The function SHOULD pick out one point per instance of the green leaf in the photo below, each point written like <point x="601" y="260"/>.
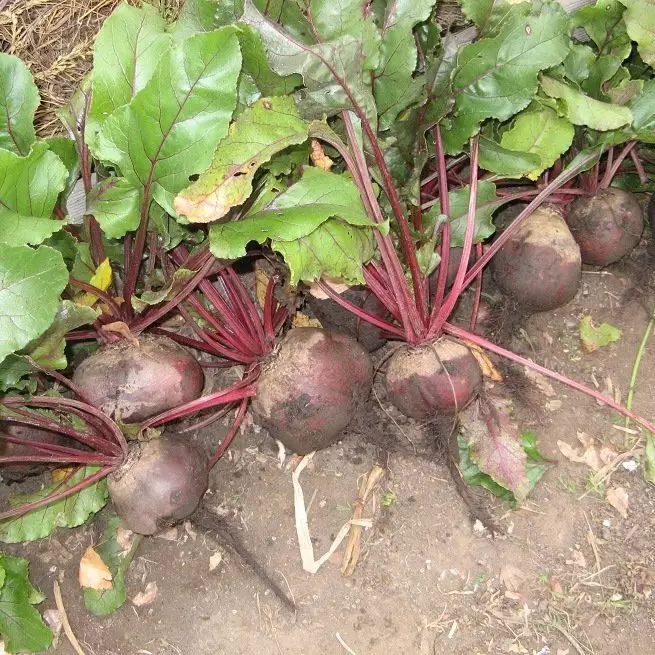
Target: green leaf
<point x="579" y="62"/>
<point x="394" y="83"/>
<point x="127" y="50"/>
<point x="147" y="298"/>
<point x="649" y="460"/>
<point x="107" y="601"/>
<point x="486" y="14"/>
<point x="471" y="473"/>
<point x="271" y="125"/>
<point x="13" y="371"/>
<point x="497" y="77"/>
<point x="639" y="20"/>
<point x="296" y="213"/>
<point x="333" y="72"/>
<point x="602" y="22"/>
<point x="67" y="152"/>
<point x="542" y="133"/>
<point x="497" y="158"/>
<point x="195" y="16"/>
<point x="65" y="513"/>
<point x="21" y="626"/>
<point x="643" y="113"/>
<point x="19" y="99"/>
<point x="170" y="129"/>
<point x="623" y="89"/>
<point x="458" y="201"/>
<point x="116" y="204"/>
<point x="583" y="110"/>
<point x="594" y="337"/>
<point x="48" y="349"/>
<point x="529" y="443"/>
<point x="31" y="282"/>
<point x="29" y="187"/>
<point x="335" y="249"/>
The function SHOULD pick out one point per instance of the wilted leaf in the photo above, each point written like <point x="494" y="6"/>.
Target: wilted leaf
<point x="180" y="277"/>
<point x="93" y="572"/>
<point x="31" y="282"/>
<point x="117" y="555"/>
<point x="617" y="497"/>
<point x="594" y="337"/>
<point x="588" y="456"/>
<point x="584" y="110"/>
<point x="66" y="513"/>
<point x="115" y="204"/>
<point x="21" y="626"/>
<point x="147" y="596"/>
<point x="19" y="99"/>
<point x="269" y="126"/>
<point x="318" y="156"/>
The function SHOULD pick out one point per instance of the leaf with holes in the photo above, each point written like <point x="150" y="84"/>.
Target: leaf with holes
<point x="170" y="129"/>
<point x="31" y="282"/>
<point x="19" y="99"/>
<point x="496" y="77"/>
<point x="127" y="50"/>
<point x="65" y="513"/>
<point x="269" y="126"/>
<point x="21" y="626"/>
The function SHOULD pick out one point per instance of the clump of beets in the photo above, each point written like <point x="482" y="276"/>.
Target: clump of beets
<point x="607" y="226"/>
<point x="160" y="483"/>
<point x="336" y="318"/>
<point x="434" y="378"/>
<point x="540" y="265"/>
<point x="310" y="388"/>
<point x="131" y="382"/>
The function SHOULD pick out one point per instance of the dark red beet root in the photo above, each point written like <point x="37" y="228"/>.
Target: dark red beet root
<point x="607" y="226"/>
<point x="310" y="388"/>
<point x="540" y="265"/>
<point x="15" y="473"/>
<point x="161" y="482"/>
<point x="132" y="383"/>
<point x="431" y="379"/>
<point x="337" y="319"/>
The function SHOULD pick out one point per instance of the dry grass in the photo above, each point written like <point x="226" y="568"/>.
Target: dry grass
<point x="55" y="39"/>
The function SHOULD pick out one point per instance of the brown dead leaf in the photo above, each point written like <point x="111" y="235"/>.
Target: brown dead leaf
<point x="588" y="456"/>
<point x="261" y="284"/>
<point x="123" y="329"/>
<point x="318" y="156"/>
<point x="124" y="538"/>
<point x="147" y="596"/>
<point x="302" y="320"/>
<point x="540" y="381"/>
<point x="94" y="573"/>
<point x="617" y="497"/>
<point x="336" y="285"/>
<point x="512" y="578"/>
<point x="487" y="366"/>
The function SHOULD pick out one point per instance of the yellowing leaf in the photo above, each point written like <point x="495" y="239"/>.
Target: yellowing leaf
<point x="487" y="366"/>
<point x="101" y="279"/>
<point x="261" y="283"/>
<point x="318" y="156"/>
<point x="94" y="573"/>
<point x="62" y="473"/>
<point x="302" y="320"/>
<point x="593" y="337"/>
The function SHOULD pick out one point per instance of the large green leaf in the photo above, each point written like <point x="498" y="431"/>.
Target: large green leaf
<point x="115" y="204"/>
<point x="643" y="113"/>
<point x="66" y="513"/>
<point x="583" y="110"/>
<point x="21" y="626"/>
<point x="195" y="16"/>
<point x="102" y="602"/>
<point x="497" y="77"/>
<point x="31" y="282"/>
<point x="486" y="14"/>
<point x="170" y="129"/>
<point x="602" y="22"/>
<point x="19" y="99"/>
<point x="127" y="50"/>
<point x="67" y="152"/>
<point x="333" y="72"/>
<point x="394" y="83"/>
<point x="639" y="20"/>
<point x="496" y="158"/>
<point x="48" y="349"/>
<point x="269" y="126"/>
<point x="29" y="187"/>
<point x="542" y="133"/>
<point x="458" y="201"/>
<point x="335" y="249"/>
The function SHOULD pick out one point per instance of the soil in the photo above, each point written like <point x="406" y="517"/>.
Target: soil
<point x="570" y="576"/>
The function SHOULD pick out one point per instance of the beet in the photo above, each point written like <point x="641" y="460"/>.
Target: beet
<point x="650" y="211"/>
<point x="160" y="483"/>
<point x="132" y="383"/>
<point x="336" y="318"/>
<point x="310" y="388"/>
<point x="607" y="226"/>
<point x="435" y="378"/>
<point x="540" y="265"/>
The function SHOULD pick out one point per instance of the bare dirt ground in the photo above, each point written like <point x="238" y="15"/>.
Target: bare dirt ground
<point x="571" y="576"/>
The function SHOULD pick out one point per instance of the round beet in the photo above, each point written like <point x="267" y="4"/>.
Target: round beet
<point x="607" y="225"/>
<point x="434" y="378"/>
<point x="132" y="383"/>
<point x="160" y="483"/>
<point x="310" y="388"/>
<point x="336" y="318"/>
<point x="540" y="265"/>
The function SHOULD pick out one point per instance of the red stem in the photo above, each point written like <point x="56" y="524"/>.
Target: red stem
<point x="478" y="292"/>
<point x="101" y="295"/>
<point x="612" y="170"/>
<point x="643" y="178"/>
<point x="238" y="419"/>
<point x="578" y="386"/>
